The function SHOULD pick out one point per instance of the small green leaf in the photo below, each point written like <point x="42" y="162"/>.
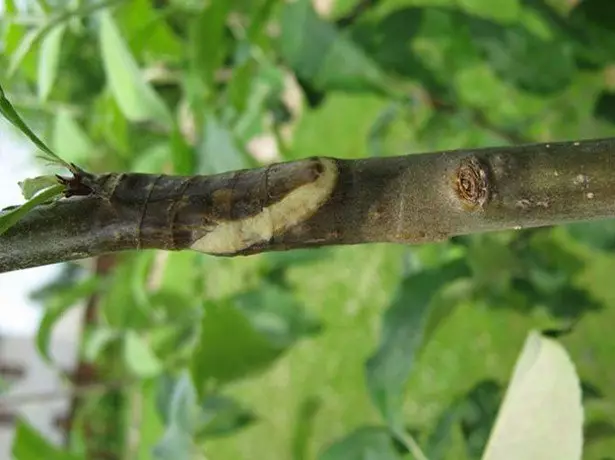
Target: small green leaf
<point x="9" y="112"/>
<point x="32" y="186"/>
<point x="403" y="331"/>
<point x="10" y="218"/>
<point x="28" y="444"/>
<point x="58" y="306"/>
<point x="222" y="416"/>
<point x="48" y="60"/>
<point x="139" y="357"/>
<point x="365" y="443"/>
<point x="319" y="53"/>
<point x="137" y="100"/>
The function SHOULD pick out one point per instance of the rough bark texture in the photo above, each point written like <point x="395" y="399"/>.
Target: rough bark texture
<point x="315" y="202"/>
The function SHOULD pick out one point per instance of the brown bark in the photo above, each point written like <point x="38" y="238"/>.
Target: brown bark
<point x="408" y="199"/>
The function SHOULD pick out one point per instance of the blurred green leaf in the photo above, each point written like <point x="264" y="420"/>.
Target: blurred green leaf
<point x="222" y="416"/>
<point x="28" y="444"/>
<point x="218" y="150"/>
<point x="29" y="39"/>
<point x="207" y="39"/>
<point x="10" y="218"/>
<point x="403" y="330"/>
<point x="174" y="445"/>
<point x="274" y="312"/>
<point x="48" y="61"/>
<point x="97" y="341"/>
<point x="596" y="235"/>
<point x="597" y="431"/>
<point x="69" y="138"/>
<point x="30" y="187"/>
<point x="153" y="160"/>
<point x="59" y="304"/>
<point x="126" y="304"/>
<point x="175" y="339"/>
<point x="525" y="60"/>
<point x="139" y="357"/>
<point x="590" y="27"/>
<point x="148" y="33"/>
<point x="231" y="347"/>
<point x="135" y="98"/>
<point x="182" y="418"/>
<point x="319" y="53"/>
<point x="33" y="37"/>
<point x="366" y="443"/>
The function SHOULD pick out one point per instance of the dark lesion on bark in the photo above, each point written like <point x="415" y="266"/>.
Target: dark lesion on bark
<point x="473" y="182"/>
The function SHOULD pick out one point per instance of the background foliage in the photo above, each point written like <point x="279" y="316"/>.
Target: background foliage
<point x="330" y="353"/>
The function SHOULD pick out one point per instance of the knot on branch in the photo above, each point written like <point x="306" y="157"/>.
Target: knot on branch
<point x="472" y="183"/>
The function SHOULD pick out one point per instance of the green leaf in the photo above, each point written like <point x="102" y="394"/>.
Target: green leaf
<point x="57" y="307"/>
<point x="30" y="187"/>
<point x="148" y="31"/>
<point x="218" y="150"/>
<point x="153" y="160"/>
<point x="10" y="218"/>
<point x="184" y="410"/>
<point x="182" y="419"/>
<point x="71" y="139"/>
<point x="33" y="37"/>
<point x="97" y="341"/>
<point x="320" y="54"/>
<point x="48" y="60"/>
<point x="366" y="443"/>
<point x="523" y="59"/>
<point x="135" y="98"/>
<point x="231" y="347"/>
<point x="275" y="313"/>
<point x="126" y="304"/>
<point x="222" y="416"/>
<point x="174" y="445"/>
<point x="139" y="357"/>
<point x="207" y="34"/>
<point x="402" y="336"/>
<point x="545" y="393"/>
<point x="28" y="444"/>
<point x="9" y="112"/>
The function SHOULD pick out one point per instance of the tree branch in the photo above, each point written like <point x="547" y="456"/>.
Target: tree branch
<point x="322" y="201"/>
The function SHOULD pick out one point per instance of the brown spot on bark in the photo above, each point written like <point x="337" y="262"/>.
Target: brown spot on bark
<point x="472" y="183"/>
